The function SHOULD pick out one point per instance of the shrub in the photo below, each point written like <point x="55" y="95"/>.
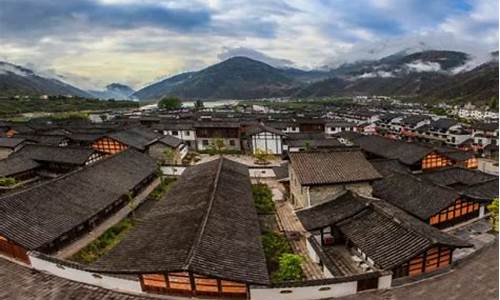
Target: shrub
<point x="7" y="181"/>
<point x="493" y="209"/>
<point x="170" y="103"/>
<point x="275" y="245"/>
<point x="103" y="243"/>
<point x="289" y="268"/>
<point x="263" y="198"/>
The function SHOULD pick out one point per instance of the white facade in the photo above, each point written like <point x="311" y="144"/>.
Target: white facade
<point x="334" y="128"/>
<point x="267" y="141"/>
<point x="185" y="135"/>
<point x="477" y="114"/>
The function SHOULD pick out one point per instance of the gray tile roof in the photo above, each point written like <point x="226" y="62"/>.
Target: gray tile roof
<point x="37" y="216"/>
<point x="55" y="154"/>
<point x="333" y="167"/>
<point x="6" y="142"/>
<point x="416" y="196"/>
<point x="391" y="237"/>
<point x="333" y="211"/>
<point x="206" y="223"/>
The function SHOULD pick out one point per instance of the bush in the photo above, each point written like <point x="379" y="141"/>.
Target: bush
<point x="103" y="243"/>
<point x="275" y="245"/>
<point x="170" y="103"/>
<point x="289" y="268"/>
<point x="263" y="198"/>
<point x="161" y="189"/>
<point x="493" y="209"/>
<point x="7" y="181"/>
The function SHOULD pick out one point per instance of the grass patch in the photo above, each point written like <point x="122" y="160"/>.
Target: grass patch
<point x="263" y="197"/>
<point x="7" y="181"/>
<point x="103" y="243"/>
<point x="161" y="189"/>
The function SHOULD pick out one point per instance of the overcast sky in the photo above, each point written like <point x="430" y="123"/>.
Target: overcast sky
<point x="95" y="42"/>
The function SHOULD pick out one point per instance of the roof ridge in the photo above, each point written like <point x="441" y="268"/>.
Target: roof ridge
<point x="59" y="178"/>
<point x="201" y="231"/>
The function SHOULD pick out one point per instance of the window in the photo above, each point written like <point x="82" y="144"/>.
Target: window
<point x="205" y="142"/>
<point x="232" y="142"/>
<point x="188" y="133"/>
<point x="205" y="284"/>
<point x="154" y="280"/>
<point x="179" y="281"/>
<point x="174" y="132"/>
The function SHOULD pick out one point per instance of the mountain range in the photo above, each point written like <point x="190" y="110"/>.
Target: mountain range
<point x="115" y="91"/>
<point x="429" y="75"/>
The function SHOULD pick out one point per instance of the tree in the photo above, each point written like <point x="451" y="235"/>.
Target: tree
<point x="289" y="268"/>
<point x="493" y="209"/>
<point x="218" y="145"/>
<point x="198" y="104"/>
<point x="170" y="103"/>
<point x="262" y="156"/>
<point x="170" y="156"/>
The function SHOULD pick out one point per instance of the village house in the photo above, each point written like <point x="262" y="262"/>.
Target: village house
<point x="354" y="235"/>
<point x="208" y="133"/>
<point x="174" y="147"/>
<point x="266" y="139"/>
<point x="48" y="216"/>
<point x="10" y="145"/>
<point x="333" y="127"/>
<point x="317" y="176"/>
<point x="203" y="237"/>
<point x="414" y="155"/>
<point x="137" y="138"/>
<point x="439" y="198"/>
<point x="182" y="129"/>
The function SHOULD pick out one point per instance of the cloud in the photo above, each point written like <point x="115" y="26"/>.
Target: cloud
<point x="421" y="66"/>
<point x="382" y="74"/>
<point x="95" y="42"/>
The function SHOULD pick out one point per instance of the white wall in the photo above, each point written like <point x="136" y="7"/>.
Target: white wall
<point x="172" y="170"/>
<point x="73" y="274"/>
<point x="268" y="142"/>
<point x="306" y="292"/>
<point x="261" y="172"/>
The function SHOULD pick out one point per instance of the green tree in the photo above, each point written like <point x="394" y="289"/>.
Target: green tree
<point x="262" y="156"/>
<point x="274" y="245"/>
<point x="170" y="103"/>
<point x="170" y="156"/>
<point x="289" y="268"/>
<point x="218" y="145"/>
<point x="493" y="209"/>
<point x="198" y="104"/>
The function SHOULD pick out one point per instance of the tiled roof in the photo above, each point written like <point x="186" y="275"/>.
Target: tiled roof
<point x="391" y="237"/>
<point x="47" y="153"/>
<point x="207" y="224"/>
<point x="6" y="142"/>
<point x="14" y="165"/>
<point x="37" y="216"/>
<point x="416" y="196"/>
<point x="332" y="167"/>
<point x="333" y="211"/>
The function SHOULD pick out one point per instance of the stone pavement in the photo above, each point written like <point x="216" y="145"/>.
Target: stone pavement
<point x="296" y="234"/>
<point x="83" y="241"/>
<point x="473" y="279"/>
